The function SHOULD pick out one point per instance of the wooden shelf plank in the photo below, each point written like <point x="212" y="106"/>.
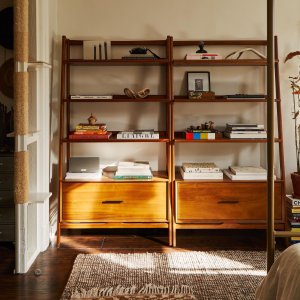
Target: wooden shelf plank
<point x="122" y="98"/>
<point x="220" y="98"/>
<point x="113" y="139"/>
<point x="221" y="62"/>
<point x="115" y="62"/>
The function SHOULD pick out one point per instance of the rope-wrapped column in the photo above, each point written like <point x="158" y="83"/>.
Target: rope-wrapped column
<point x="21" y="46"/>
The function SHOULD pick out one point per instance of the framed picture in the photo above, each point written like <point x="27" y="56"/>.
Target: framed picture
<point x="198" y="81"/>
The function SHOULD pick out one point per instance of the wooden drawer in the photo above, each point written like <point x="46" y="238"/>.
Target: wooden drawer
<point x="6" y="164"/>
<point x="115" y="202"/>
<point x="7" y="215"/>
<point x="7" y="233"/>
<point x="6" y="198"/>
<point x="6" y="181"/>
<point x="196" y="202"/>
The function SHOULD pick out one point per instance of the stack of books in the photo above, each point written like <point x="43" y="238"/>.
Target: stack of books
<point x="88" y="131"/>
<point x="245" y="131"/>
<point x="200" y="56"/>
<point x="293" y="207"/>
<point x="133" y="170"/>
<point x="201" y="170"/>
<point x="246" y="173"/>
<point x="138" y="135"/>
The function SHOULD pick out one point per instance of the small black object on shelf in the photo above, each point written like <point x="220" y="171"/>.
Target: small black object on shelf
<point x="142" y="50"/>
<point x="201" y="48"/>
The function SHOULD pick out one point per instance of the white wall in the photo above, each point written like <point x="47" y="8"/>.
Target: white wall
<point x="190" y="19"/>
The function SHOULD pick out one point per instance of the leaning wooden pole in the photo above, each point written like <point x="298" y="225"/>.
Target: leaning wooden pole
<point x="270" y="132"/>
<point x="21" y="100"/>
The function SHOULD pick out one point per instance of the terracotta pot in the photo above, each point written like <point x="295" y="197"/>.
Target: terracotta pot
<point x="296" y="184"/>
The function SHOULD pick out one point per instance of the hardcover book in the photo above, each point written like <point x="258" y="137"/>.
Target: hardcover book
<point x="73" y="136"/>
<point x="201" y="175"/>
<point x="200" y="167"/>
<point x="247" y="170"/>
<point x="232" y="176"/>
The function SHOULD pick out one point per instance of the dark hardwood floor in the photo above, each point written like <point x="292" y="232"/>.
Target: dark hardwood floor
<point x="55" y="264"/>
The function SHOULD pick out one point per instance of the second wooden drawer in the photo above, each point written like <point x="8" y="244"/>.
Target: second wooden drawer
<point x="196" y="202"/>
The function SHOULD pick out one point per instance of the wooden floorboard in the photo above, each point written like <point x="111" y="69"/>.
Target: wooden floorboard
<point x="55" y="264"/>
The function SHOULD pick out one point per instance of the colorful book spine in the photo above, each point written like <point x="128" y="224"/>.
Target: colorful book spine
<point x="200" y="135"/>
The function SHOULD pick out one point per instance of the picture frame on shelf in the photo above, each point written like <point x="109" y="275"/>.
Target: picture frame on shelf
<point x="198" y="81"/>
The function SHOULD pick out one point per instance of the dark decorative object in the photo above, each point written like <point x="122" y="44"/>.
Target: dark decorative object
<point x="142" y="50"/>
<point x="201" y="48"/>
<point x="7" y="29"/>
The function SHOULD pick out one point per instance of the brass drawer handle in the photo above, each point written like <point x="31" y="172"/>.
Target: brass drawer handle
<point x="112" y="201"/>
<point x="228" y="202"/>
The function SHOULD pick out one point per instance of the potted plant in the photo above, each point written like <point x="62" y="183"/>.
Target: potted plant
<point x="295" y="87"/>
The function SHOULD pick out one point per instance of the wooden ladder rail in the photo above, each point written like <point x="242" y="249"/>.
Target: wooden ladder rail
<point x="61" y="133"/>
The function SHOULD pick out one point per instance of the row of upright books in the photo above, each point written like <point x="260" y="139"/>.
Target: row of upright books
<point x="210" y="170"/>
<point x="293" y="208"/>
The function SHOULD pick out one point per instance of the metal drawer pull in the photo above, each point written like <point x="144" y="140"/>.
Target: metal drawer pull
<point x="112" y="201"/>
<point x="228" y="202"/>
<point x="1" y="164"/>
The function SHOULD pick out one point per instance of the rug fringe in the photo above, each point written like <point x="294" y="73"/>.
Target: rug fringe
<point x="121" y="290"/>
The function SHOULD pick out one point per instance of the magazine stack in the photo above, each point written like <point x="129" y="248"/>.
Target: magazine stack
<point x="293" y="208"/>
<point x="245" y="131"/>
<point x="246" y="173"/>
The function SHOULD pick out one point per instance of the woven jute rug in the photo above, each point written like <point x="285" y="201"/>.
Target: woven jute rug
<point x="205" y="275"/>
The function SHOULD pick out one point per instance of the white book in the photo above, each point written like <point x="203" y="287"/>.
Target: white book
<point x="136" y="136"/>
<point x="129" y="165"/>
<point x="91" y="97"/>
<point x="247" y="170"/>
<point x="233" y="135"/>
<point x="232" y="176"/>
<point x="245" y="126"/>
<point x="83" y="176"/>
<point x="200" y="167"/>
<point x="201" y="175"/>
<point x="293" y="201"/>
<point x="203" y="57"/>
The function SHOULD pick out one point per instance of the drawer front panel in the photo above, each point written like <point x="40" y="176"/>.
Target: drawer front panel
<point x="224" y="201"/>
<point x="7" y="233"/>
<point x="6" y="198"/>
<point x="6" y="181"/>
<point x="111" y="202"/>
<point x="7" y="215"/>
<point x="6" y="164"/>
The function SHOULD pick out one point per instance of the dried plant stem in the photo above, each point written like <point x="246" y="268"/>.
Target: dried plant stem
<point x="297" y="130"/>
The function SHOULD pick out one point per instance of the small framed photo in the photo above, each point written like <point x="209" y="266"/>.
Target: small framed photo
<point x="198" y="81"/>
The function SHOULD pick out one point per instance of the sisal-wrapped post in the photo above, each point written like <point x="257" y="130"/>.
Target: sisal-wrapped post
<point x="21" y="103"/>
<point x="21" y="30"/>
<point x="21" y="177"/>
<point x="21" y="46"/>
